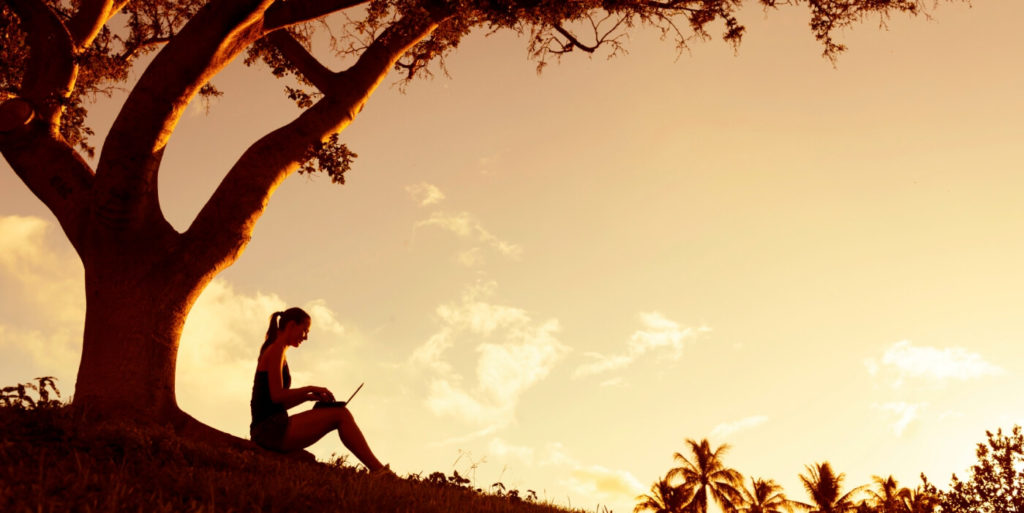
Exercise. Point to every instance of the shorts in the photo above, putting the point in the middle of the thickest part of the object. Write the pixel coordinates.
(269, 433)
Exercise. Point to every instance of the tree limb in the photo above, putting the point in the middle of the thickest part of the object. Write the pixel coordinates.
(224, 225)
(51, 69)
(573, 41)
(130, 50)
(312, 70)
(126, 178)
(51, 169)
(90, 18)
(284, 14)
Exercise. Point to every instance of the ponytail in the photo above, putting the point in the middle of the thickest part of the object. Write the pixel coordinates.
(271, 332)
(278, 320)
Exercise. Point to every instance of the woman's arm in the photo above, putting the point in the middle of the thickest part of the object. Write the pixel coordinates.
(288, 397)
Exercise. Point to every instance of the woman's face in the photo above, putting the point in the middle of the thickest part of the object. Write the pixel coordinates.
(295, 333)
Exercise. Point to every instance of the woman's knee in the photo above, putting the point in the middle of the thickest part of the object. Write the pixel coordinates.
(343, 416)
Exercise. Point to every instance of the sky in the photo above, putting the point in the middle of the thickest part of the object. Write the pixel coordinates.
(554, 280)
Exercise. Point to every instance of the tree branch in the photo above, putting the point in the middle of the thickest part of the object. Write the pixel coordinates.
(51, 169)
(51, 70)
(312, 70)
(573, 41)
(126, 178)
(130, 50)
(224, 226)
(284, 14)
(85, 25)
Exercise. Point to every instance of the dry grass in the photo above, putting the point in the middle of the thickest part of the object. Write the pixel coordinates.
(53, 459)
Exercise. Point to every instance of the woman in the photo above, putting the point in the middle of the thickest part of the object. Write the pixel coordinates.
(272, 396)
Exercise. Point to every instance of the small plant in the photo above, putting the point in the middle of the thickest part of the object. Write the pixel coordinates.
(17, 396)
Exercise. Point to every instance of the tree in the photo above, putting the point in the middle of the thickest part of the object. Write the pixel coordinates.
(141, 275)
(706, 476)
(923, 499)
(996, 483)
(825, 489)
(664, 498)
(764, 496)
(887, 496)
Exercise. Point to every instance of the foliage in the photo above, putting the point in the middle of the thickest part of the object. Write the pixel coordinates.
(764, 496)
(18, 397)
(58, 458)
(996, 482)
(705, 476)
(664, 498)
(552, 29)
(825, 488)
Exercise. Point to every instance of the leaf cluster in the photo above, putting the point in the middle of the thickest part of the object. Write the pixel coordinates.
(704, 478)
(552, 29)
(19, 396)
(996, 482)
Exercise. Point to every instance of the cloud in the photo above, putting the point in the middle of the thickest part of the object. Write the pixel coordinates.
(595, 482)
(905, 414)
(513, 353)
(906, 361)
(604, 484)
(657, 333)
(425, 194)
(584, 480)
(42, 309)
(466, 226)
(502, 450)
(727, 429)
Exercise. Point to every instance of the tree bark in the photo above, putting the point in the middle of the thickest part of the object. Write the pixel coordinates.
(137, 301)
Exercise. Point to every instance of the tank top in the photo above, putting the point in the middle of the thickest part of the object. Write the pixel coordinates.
(261, 405)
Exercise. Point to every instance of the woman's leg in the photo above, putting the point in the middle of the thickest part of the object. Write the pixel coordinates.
(305, 428)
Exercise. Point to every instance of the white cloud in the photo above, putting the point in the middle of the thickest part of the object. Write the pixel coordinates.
(904, 413)
(904, 360)
(466, 226)
(585, 481)
(42, 309)
(513, 353)
(425, 194)
(472, 257)
(605, 485)
(727, 429)
(502, 450)
(595, 482)
(657, 333)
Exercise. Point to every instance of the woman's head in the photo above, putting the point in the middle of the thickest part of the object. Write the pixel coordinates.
(292, 324)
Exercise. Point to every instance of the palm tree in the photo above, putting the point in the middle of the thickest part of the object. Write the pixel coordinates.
(764, 497)
(664, 498)
(888, 496)
(706, 475)
(825, 488)
(923, 499)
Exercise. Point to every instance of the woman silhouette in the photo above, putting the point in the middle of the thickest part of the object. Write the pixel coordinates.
(272, 396)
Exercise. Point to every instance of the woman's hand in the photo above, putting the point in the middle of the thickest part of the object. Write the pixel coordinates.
(319, 394)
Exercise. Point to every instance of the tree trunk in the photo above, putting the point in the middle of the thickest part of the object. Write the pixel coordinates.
(133, 324)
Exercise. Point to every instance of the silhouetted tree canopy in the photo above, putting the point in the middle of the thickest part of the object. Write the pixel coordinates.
(996, 482)
(553, 27)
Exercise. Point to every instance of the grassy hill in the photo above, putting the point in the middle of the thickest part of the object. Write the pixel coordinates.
(53, 459)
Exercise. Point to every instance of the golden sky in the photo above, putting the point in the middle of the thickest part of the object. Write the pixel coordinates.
(558, 279)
